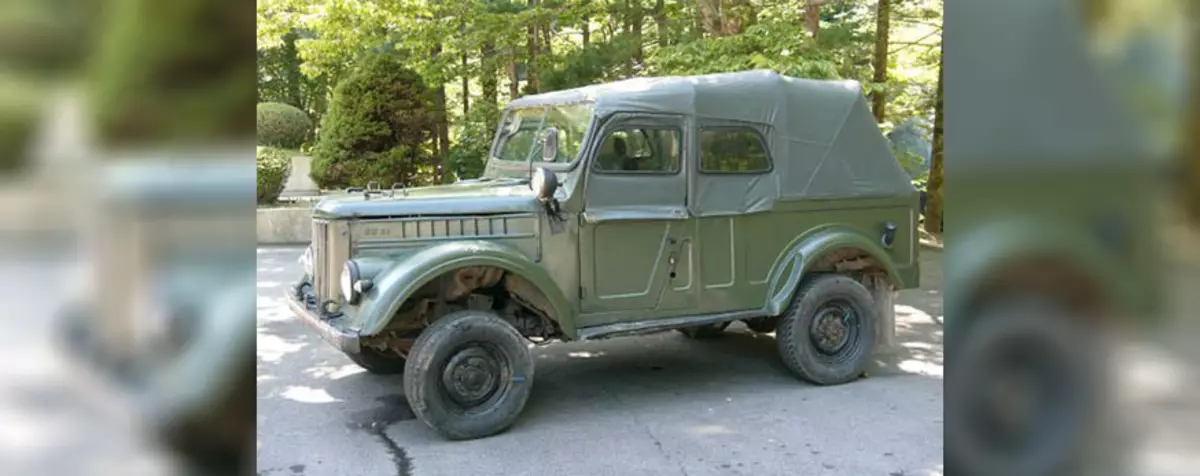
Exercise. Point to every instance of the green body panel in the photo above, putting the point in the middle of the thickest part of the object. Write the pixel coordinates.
(393, 285)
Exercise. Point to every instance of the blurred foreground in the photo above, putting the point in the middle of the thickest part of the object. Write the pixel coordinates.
(126, 208)
(1070, 131)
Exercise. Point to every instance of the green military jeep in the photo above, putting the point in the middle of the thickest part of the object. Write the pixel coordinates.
(653, 204)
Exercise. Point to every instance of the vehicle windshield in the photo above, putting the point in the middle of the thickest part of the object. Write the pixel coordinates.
(521, 132)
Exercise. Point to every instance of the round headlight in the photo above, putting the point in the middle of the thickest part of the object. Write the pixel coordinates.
(350, 276)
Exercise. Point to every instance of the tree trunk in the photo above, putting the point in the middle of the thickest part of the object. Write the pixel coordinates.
(736, 15)
(636, 17)
(443, 133)
(812, 18)
(487, 77)
(547, 49)
(443, 124)
(514, 85)
(660, 19)
(466, 87)
(586, 29)
(710, 16)
(487, 82)
(1191, 151)
(531, 67)
(879, 95)
(933, 194)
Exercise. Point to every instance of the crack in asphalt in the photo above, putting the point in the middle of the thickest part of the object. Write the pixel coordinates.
(376, 421)
(645, 428)
(400, 457)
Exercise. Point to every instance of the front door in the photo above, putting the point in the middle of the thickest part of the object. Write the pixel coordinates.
(637, 237)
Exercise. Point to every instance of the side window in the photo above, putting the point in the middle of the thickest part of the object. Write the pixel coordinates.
(733, 150)
(648, 150)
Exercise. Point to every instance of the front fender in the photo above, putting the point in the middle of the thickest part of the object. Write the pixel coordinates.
(808, 249)
(396, 283)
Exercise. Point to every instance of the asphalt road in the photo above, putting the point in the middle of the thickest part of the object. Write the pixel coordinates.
(658, 404)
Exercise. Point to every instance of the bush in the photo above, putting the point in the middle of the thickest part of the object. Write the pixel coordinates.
(20, 113)
(274, 165)
(377, 128)
(282, 125)
(158, 75)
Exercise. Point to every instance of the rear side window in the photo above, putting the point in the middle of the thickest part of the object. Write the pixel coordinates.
(733, 150)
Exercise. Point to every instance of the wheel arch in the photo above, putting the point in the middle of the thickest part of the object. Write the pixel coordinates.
(1061, 264)
(822, 250)
(397, 283)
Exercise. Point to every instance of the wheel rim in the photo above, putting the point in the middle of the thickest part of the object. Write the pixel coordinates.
(834, 329)
(472, 376)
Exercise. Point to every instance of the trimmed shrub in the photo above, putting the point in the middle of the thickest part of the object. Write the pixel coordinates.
(378, 128)
(274, 165)
(158, 75)
(282, 125)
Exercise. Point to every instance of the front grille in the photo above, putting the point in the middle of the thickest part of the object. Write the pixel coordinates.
(320, 246)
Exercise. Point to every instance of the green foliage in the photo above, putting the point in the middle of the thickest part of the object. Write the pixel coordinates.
(162, 74)
(765, 45)
(20, 111)
(280, 78)
(44, 36)
(624, 39)
(597, 63)
(282, 125)
(469, 154)
(377, 128)
(274, 165)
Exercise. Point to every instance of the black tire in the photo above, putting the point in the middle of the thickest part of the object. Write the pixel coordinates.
(378, 362)
(1065, 429)
(490, 370)
(763, 325)
(837, 311)
(704, 332)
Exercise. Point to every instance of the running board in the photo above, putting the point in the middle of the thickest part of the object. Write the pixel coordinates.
(658, 325)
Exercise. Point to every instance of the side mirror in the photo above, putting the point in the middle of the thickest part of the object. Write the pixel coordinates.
(544, 184)
(550, 145)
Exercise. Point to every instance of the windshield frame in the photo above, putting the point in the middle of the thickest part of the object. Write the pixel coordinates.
(494, 161)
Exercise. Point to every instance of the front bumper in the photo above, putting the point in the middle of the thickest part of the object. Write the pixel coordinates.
(344, 338)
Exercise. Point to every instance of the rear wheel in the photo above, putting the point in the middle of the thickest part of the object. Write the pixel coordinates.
(469, 375)
(378, 362)
(1025, 394)
(827, 333)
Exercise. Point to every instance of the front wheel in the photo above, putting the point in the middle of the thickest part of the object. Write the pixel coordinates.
(469, 375)
(828, 331)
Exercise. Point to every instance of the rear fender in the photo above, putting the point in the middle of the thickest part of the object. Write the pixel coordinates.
(808, 249)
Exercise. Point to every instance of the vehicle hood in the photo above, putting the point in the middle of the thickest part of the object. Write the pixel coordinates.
(461, 198)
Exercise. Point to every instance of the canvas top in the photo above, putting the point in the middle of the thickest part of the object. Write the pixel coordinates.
(824, 142)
